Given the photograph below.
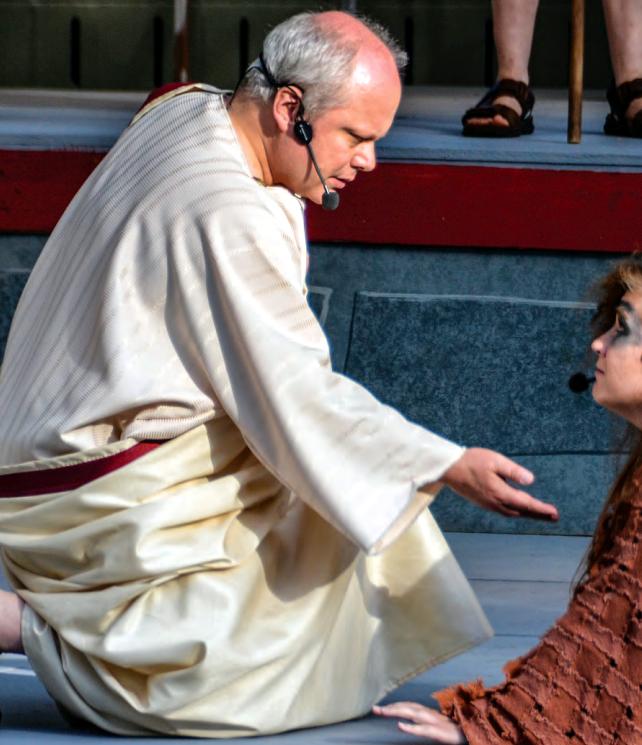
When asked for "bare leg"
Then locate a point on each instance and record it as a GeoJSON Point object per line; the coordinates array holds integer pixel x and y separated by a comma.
{"type": "Point", "coordinates": [624, 28]}
{"type": "Point", "coordinates": [10, 622]}
{"type": "Point", "coordinates": [513, 26]}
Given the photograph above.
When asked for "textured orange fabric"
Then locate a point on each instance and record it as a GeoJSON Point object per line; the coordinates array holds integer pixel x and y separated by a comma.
{"type": "Point", "coordinates": [582, 684]}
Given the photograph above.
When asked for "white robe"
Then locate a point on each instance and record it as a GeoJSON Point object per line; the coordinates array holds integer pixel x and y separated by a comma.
{"type": "Point", "coordinates": [226, 583]}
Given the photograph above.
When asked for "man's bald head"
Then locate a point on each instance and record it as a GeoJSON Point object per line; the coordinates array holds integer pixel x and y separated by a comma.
{"type": "Point", "coordinates": [324, 54]}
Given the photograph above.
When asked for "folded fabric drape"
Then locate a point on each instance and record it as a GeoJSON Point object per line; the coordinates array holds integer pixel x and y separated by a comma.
{"type": "Point", "coordinates": [188, 592]}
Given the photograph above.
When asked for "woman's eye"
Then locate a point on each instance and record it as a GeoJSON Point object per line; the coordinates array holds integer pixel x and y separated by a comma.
{"type": "Point", "coordinates": [621, 326]}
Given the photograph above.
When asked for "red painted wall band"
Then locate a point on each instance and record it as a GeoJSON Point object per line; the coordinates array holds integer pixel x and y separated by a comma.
{"type": "Point", "coordinates": [65, 478]}
{"type": "Point", "coordinates": [36, 186]}
{"type": "Point", "coordinates": [490, 207]}
{"type": "Point", "coordinates": [399, 203]}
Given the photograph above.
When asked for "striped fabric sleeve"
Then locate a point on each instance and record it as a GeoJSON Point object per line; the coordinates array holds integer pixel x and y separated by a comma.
{"type": "Point", "coordinates": [356, 461]}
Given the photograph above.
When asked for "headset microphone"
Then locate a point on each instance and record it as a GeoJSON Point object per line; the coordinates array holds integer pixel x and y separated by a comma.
{"type": "Point", "coordinates": [579, 382]}
{"type": "Point", "coordinates": [303, 133]}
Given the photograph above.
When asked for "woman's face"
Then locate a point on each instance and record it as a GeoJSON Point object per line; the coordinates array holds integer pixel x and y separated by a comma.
{"type": "Point", "coordinates": [618, 368]}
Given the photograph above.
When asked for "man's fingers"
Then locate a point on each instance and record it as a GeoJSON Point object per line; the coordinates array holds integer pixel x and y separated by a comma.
{"type": "Point", "coordinates": [523, 504]}
{"type": "Point", "coordinates": [508, 469]}
{"type": "Point", "coordinates": [506, 512]}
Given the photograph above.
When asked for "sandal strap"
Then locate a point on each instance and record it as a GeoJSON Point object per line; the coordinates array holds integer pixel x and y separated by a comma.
{"type": "Point", "coordinates": [511, 116]}
{"type": "Point", "coordinates": [620, 98]}
{"type": "Point", "coordinates": [516, 89]}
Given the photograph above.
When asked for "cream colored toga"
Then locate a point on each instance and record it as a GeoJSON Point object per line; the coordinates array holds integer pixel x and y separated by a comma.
{"type": "Point", "coordinates": [272, 564]}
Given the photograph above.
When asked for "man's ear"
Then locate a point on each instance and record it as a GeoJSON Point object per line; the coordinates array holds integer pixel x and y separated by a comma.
{"type": "Point", "coordinates": [285, 107]}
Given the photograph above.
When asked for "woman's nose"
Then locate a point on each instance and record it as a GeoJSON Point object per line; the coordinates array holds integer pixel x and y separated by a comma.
{"type": "Point", "coordinates": [598, 344]}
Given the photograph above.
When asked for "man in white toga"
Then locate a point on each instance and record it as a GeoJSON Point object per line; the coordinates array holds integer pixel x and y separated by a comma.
{"type": "Point", "coordinates": [203, 522]}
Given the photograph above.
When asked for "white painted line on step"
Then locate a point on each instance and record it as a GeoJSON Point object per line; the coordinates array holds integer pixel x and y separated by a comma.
{"type": "Point", "coordinates": [17, 671]}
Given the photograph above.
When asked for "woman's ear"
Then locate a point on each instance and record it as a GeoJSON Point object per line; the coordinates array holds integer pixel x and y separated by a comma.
{"type": "Point", "coordinates": [285, 107]}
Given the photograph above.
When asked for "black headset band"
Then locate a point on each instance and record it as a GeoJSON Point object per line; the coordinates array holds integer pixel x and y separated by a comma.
{"type": "Point", "coordinates": [268, 74]}
{"type": "Point", "coordinates": [276, 84]}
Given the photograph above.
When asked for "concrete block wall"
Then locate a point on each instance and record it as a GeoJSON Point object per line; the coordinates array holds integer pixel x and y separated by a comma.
{"type": "Point", "coordinates": [477, 345]}
{"type": "Point", "coordinates": [128, 45]}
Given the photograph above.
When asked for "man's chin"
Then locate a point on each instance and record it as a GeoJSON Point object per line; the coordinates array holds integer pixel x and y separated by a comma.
{"type": "Point", "coordinates": [314, 195]}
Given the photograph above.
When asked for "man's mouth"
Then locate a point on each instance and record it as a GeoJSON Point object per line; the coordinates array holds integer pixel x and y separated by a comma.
{"type": "Point", "coordinates": [341, 182]}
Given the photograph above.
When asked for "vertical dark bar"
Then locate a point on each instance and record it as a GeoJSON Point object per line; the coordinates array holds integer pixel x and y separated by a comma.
{"type": "Point", "coordinates": [159, 50]}
{"type": "Point", "coordinates": [409, 45]}
{"type": "Point", "coordinates": [244, 45]}
{"type": "Point", "coordinates": [74, 51]}
{"type": "Point", "coordinates": [489, 54]}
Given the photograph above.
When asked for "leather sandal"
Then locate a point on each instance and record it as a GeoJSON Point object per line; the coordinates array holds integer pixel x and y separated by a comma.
{"type": "Point", "coordinates": [518, 124]}
{"type": "Point", "coordinates": [617, 123]}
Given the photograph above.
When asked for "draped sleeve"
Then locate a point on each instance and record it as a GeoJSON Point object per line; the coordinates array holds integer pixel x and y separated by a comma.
{"type": "Point", "coordinates": [354, 460]}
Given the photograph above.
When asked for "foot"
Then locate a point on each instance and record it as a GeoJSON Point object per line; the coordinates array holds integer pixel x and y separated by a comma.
{"type": "Point", "coordinates": [634, 107]}
{"type": "Point", "coordinates": [10, 622]}
{"type": "Point", "coordinates": [498, 119]}
{"type": "Point", "coordinates": [625, 102]}
{"type": "Point", "coordinates": [504, 111]}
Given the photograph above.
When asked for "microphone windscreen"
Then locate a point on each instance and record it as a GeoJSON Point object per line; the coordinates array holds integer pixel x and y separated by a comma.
{"type": "Point", "coordinates": [579, 382]}
{"type": "Point", "coordinates": [330, 200]}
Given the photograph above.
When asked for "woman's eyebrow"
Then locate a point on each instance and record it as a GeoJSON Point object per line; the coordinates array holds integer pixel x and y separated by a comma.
{"type": "Point", "coordinates": [626, 306]}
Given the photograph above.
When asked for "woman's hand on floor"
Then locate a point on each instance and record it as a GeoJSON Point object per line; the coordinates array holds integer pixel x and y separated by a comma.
{"type": "Point", "coordinates": [425, 722]}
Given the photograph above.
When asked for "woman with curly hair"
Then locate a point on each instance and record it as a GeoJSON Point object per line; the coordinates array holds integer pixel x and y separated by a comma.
{"type": "Point", "coordinates": [582, 684]}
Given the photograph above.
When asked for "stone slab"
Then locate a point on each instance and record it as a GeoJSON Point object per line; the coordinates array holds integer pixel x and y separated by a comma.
{"type": "Point", "coordinates": [319, 300]}
{"type": "Point", "coordinates": [487, 370]}
{"type": "Point", "coordinates": [11, 285]}
{"type": "Point", "coordinates": [535, 275]}
{"type": "Point", "coordinates": [20, 251]}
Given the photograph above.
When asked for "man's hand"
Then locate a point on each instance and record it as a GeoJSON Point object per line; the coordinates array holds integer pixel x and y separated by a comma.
{"type": "Point", "coordinates": [425, 722]}
{"type": "Point", "coordinates": [480, 475]}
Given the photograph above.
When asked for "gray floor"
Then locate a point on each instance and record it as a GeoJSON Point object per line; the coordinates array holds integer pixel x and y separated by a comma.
{"type": "Point", "coordinates": [427, 128]}
{"type": "Point", "coordinates": [522, 582]}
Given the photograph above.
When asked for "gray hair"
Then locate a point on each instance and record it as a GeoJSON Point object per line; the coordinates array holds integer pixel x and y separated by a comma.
{"type": "Point", "coordinates": [318, 60]}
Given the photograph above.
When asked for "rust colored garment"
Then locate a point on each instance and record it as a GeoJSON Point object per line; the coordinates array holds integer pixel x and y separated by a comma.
{"type": "Point", "coordinates": [582, 684]}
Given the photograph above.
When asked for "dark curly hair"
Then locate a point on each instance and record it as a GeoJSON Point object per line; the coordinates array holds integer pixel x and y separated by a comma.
{"type": "Point", "coordinates": [625, 277]}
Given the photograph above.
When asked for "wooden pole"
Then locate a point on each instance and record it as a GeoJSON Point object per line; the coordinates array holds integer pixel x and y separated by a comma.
{"type": "Point", "coordinates": [181, 49]}
{"type": "Point", "coordinates": [576, 73]}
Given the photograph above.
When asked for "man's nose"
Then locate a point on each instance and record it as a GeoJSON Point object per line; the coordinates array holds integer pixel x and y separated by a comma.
{"type": "Point", "coordinates": [365, 158]}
